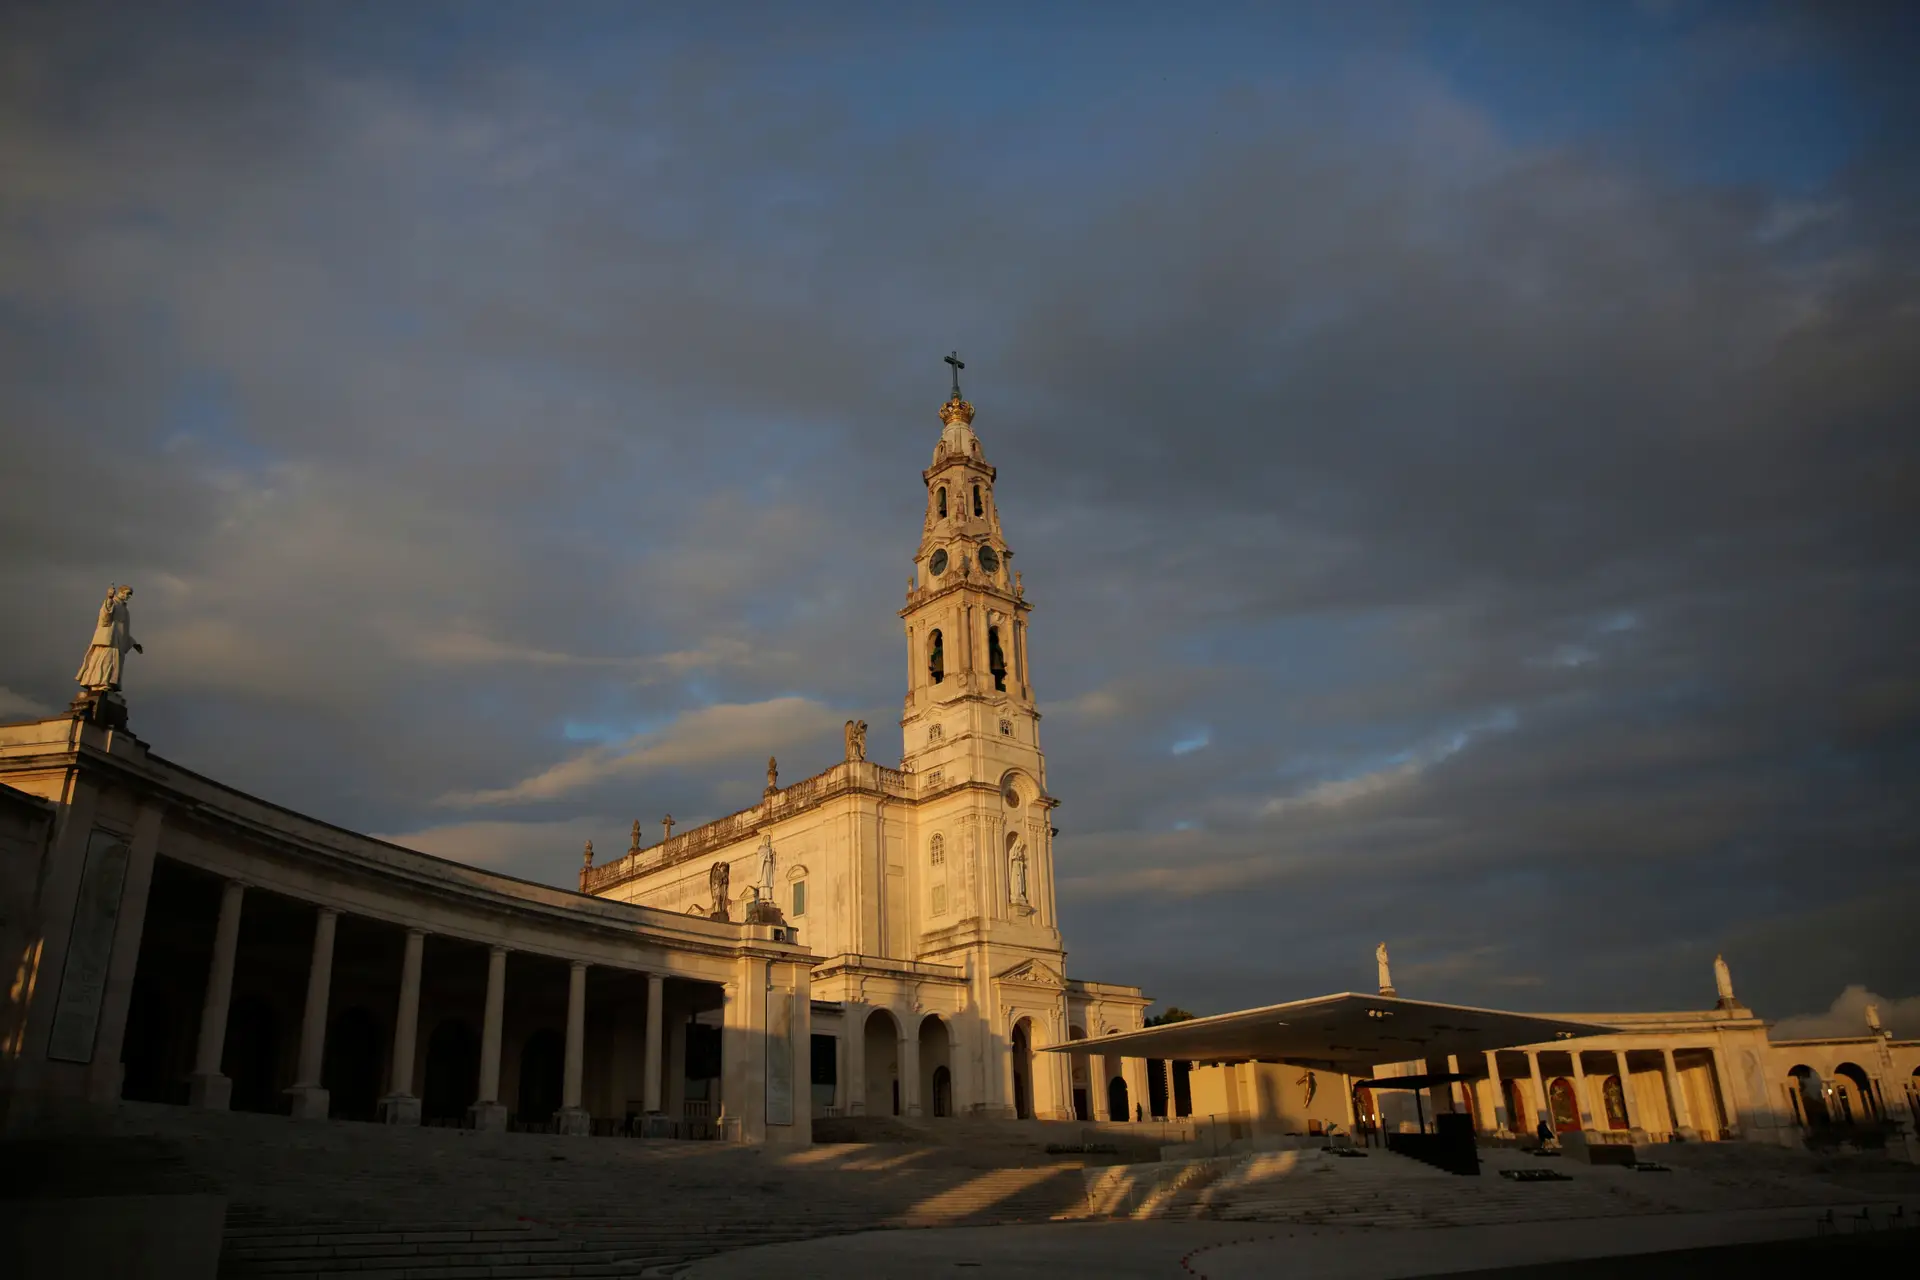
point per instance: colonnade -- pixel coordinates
(210, 1089)
(1592, 1113)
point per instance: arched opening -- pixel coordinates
(1853, 1099)
(936, 1077)
(543, 1063)
(1518, 1121)
(936, 657)
(882, 1047)
(996, 659)
(1023, 1069)
(1082, 1095)
(451, 1082)
(1614, 1095)
(979, 508)
(1117, 1106)
(251, 1059)
(940, 502)
(1810, 1093)
(1561, 1104)
(151, 1050)
(350, 1071)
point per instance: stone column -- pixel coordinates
(573, 1118)
(401, 1105)
(1134, 1070)
(488, 1113)
(1582, 1103)
(107, 1073)
(309, 1098)
(1501, 1120)
(1729, 1117)
(743, 1056)
(656, 1012)
(1626, 1096)
(854, 1027)
(207, 1088)
(913, 661)
(1677, 1100)
(1545, 1111)
(910, 1066)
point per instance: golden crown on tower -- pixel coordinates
(956, 410)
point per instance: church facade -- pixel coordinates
(927, 891)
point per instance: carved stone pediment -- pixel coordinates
(1034, 973)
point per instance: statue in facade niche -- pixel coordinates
(856, 739)
(766, 865)
(1018, 869)
(100, 670)
(717, 878)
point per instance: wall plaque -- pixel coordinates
(779, 1057)
(83, 981)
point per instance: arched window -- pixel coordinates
(996, 659)
(940, 502)
(979, 509)
(936, 657)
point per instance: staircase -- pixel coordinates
(365, 1200)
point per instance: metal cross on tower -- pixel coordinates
(953, 358)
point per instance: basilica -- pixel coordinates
(867, 941)
(927, 891)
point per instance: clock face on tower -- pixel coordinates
(989, 560)
(939, 562)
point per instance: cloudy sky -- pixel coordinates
(1463, 457)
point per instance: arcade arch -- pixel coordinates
(881, 1046)
(936, 1067)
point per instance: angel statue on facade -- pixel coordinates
(856, 739)
(112, 636)
(717, 879)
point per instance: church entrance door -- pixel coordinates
(1117, 1100)
(1022, 1070)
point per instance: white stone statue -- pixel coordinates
(766, 865)
(1386, 978)
(1018, 867)
(1873, 1018)
(112, 637)
(1723, 979)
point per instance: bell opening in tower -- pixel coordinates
(996, 659)
(940, 502)
(936, 658)
(978, 509)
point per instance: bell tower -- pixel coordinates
(970, 732)
(966, 611)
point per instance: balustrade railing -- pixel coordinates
(852, 775)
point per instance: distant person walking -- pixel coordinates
(1545, 1134)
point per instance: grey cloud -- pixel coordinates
(542, 402)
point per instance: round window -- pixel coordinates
(939, 562)
(1012, 793)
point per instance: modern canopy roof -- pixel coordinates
(1347, 1033)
